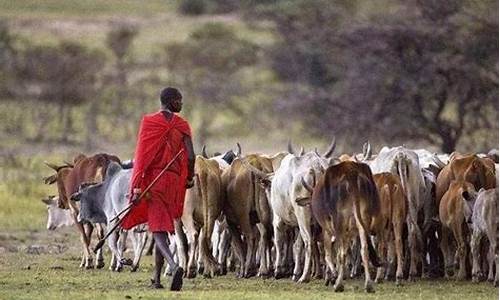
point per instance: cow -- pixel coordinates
(457, 203)
(202, 206)
(485, 223)
(68, 178)
(286, 189)
(404, 163)
(389, 223)
(57, 217)
(344, 199)
(245, 206)
(101, 202)
(478, 171)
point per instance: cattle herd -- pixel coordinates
(399, 214)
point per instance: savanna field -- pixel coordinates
(228, 94)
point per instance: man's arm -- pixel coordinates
(188, 144)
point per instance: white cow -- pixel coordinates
(57, 217)
(286, 189)
(404, 163)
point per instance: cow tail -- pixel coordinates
(412, 213)
(372, 253)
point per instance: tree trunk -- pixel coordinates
(448, 143)
(203, 132)
(67, 125)
(91, 121)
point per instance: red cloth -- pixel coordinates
(158, 141)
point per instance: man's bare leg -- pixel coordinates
(161, 241)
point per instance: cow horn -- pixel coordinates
(54, 167)
(306, 186)
(367, 151)
(302, 151)
(259, 173)
(330, 150)
(204, 151)
(438, 161)
(238, 152)
(316, 151)
(69, 164)
(290, 147)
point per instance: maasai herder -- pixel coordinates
(161, 136)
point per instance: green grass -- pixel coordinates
(41, 281)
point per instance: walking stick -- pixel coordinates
(126, 210)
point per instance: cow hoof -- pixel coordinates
(134, 269)
(295, 277)
(379, 280)
(475, 278)
(369, 288)
(338, 288)
(490, 279)
(279, 275)
(495, 284)
(399, 281)
(100, 264)
(264, 275)
(119, 268)
(303, 280)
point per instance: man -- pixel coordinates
(161, 136)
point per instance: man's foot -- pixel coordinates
(155, 284)
(176, 284)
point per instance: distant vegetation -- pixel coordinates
(81, 74)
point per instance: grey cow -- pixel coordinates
(99, 203)
(485, 223)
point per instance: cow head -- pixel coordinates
(56, 217)
(62, 171)
(89, 195)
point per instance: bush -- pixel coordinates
(192, 7)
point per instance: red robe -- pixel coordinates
(158, 141)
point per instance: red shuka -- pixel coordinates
(158, 141)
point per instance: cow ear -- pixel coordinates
(48, 201)
(303, 201)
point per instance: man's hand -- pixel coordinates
(135, 196)
(189, 183)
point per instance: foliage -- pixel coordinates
(426, 72)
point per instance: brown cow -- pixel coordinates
(246, 205)
(68, 179)
(346, 198)
(452, 209)
(478, 171)
(202, 206)
(388, 224)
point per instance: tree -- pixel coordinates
(206, 66)
(428, 72)
(64, 75)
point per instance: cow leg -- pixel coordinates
(461, 250)
(279, 234)
(398, 246)
(237, 248)
(305, 233)
(381, 250)
(263, 248)
(341, 255)
(475, 251)
(363, 237)
(192, 239)
(181, 246)
(211, 266)
(225, 242)
(88, 229)
(493, 255)
(445, 248)
(250, 269)
(99, 254)
(113, 246)
(139, 239)
(328, 246)
(298, 248)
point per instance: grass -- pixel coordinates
(57, 276)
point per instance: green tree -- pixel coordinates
(207, 67)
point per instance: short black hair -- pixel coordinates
(168, 94)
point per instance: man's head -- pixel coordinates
(171, 99)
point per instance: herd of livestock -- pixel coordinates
(394, 215)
